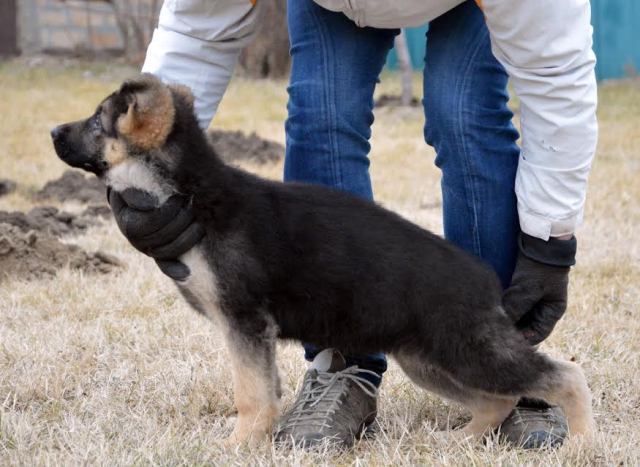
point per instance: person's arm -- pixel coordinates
(545, 46)
(197, 43)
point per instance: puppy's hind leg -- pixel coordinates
(256, 384)
(487, 411)
(494, 358)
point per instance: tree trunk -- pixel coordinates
(406, 70)
(268, 55)
(136, 20)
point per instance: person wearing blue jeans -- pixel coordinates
(335, 68)
(516, 209)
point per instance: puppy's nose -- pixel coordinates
(58, 131)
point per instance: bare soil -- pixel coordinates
(58, 223)
(390, 100)
(35, 255)
(74, 185)
(236, 146)
(30, 245)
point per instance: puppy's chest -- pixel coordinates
(200, 288)
(137, 174)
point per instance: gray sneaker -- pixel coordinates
(535, 427)
(335, 404)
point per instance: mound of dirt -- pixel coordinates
(6, 186)
(50, 220)
(34, 255)
(98, 210)
(388, 100)
(235, 146)
(74, 185)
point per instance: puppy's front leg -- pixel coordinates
(256, 385)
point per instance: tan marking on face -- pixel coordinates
(150, 116)
(115, 151)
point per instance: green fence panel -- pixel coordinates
(616, 37)
(417, 43)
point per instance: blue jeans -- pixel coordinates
(335, 68)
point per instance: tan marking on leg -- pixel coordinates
(115, 151)
(255, 394)
(256, 383)
(571, 392)
(488, 414)
(255, 378)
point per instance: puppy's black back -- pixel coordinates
(333, 269)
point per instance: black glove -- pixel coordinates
(164, 232)
(537, 297)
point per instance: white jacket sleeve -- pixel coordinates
(197, 43)
(545, 46)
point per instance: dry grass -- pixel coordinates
(117, 370)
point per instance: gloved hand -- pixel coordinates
(164, 232)
(537, 297)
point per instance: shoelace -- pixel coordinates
(535, 415)
(327, 389)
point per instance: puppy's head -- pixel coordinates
(135, 121)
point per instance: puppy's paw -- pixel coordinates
(584, 434)
(245, 437)
(452, 437)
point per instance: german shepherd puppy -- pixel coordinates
(296, 261)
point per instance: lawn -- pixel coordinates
(118, 370)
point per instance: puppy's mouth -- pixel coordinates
(79, 161)
(76, 159)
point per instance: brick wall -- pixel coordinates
(77, 25)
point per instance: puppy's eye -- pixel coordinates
(96, 124)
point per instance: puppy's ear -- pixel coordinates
(183, 93)
(150, 113)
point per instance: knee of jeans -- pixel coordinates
(441, 112)
(317, 111)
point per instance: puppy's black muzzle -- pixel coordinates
(58, 131)
(72, 153)
(60, 137)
